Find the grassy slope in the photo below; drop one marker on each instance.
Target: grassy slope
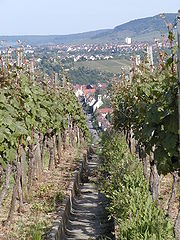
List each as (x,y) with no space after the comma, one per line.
(111,65)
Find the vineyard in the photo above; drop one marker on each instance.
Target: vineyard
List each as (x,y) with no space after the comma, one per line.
(141,158)
(127,186)
(39,122)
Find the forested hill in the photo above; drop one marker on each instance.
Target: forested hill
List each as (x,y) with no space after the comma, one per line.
(144,29)
(146,25)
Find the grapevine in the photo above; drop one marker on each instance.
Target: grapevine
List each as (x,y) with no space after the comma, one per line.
(34,116)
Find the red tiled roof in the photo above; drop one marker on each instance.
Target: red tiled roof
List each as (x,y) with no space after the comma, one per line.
(86,91)
(105,110)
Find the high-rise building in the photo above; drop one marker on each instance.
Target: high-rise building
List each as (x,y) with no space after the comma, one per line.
(128,40)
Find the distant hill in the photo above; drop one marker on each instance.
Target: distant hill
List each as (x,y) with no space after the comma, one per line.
(51,39)
(144,29)
(146,25)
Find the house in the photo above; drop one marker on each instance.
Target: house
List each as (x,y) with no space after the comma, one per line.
(78,90)
(98,104)
(91,101)
(99,119)
(103,123)
(104,111)
(88,91)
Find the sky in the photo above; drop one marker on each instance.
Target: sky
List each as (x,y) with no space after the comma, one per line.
(48,17)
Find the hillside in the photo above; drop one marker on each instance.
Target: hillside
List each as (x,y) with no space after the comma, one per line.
(145,29)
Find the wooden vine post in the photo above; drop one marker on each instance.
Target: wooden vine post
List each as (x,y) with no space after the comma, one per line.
(177,224)
(178,32)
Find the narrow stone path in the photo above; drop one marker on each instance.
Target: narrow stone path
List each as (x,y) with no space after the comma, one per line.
(88,218)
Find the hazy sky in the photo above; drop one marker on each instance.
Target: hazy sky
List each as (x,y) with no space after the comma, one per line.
(73,16)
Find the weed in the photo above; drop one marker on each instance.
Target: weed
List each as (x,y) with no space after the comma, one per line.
(35,231)
(49,205)
(44,190)
(30,197)
(59,197)
(37,207)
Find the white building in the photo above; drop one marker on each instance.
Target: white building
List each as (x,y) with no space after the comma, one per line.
(128,40)
(92,58)
(98,104)
(92,102)
(79,92)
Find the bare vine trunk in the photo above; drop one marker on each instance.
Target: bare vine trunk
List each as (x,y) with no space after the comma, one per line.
(132,142)
(55,150)
(144,161)
(13,200)
(59,147)
(37,156)
(19,187)
(129,140)
(173,193)
(24,173)
(154,179)
(69,135)
(43,150)
(51,153)
(72,137)
(78,137)
(64,139)
(7,183)
(30,166)
(75,135)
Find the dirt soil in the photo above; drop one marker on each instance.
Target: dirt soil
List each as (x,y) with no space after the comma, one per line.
(41,207)
(165,193)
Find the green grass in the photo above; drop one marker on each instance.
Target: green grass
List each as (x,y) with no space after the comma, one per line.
(111,65)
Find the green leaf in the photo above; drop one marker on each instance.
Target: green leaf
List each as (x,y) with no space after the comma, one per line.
(2,136)
(2,163)
(11,154)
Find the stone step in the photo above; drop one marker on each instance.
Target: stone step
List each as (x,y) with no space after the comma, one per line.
(88,218)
